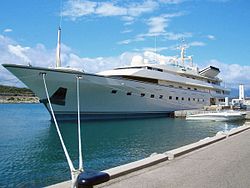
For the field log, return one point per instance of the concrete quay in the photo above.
(223, 164)
(219, 161)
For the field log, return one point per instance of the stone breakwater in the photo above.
(18, 99)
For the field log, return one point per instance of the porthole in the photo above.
(114, 91)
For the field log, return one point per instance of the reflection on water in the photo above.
(31, 154)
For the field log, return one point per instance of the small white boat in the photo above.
(218, 116)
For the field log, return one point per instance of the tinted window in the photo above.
(114, 91)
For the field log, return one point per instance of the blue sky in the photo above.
(99, 35)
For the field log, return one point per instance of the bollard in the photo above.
(89, 178)
(170, 156)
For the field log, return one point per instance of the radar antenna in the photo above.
(183, 48)
(183, 56)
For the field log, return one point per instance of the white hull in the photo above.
(97, 100)
(217, 116)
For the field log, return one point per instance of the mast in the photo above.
(58, 49)
(182, 55)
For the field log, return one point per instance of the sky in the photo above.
(101, 35)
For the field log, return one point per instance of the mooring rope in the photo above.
(74, 172)
(79, 123)
(72, 169)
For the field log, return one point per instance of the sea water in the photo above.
(31, 154)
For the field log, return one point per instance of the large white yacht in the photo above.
(150, 86)
(153, 85)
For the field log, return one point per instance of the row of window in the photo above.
(189, 88)
(142, 67)
(215, 83)
(195, 89)
(161, 82)
(208, 81)
(161, 97)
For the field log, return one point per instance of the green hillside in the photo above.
(10, 90)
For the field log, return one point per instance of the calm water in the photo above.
(31, 154)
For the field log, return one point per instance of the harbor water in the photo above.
(31, 154)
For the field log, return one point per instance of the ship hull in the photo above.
(104, 97)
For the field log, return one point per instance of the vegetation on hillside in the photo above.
(15, 91)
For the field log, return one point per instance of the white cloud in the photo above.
(150, 49)
(232, 74)
(175, 14)
(4, 41)
(157, 25)
(127, 31)
(19, 51)
(196, 43)
(93, 65)
(128, 19)
(177, 36)
(125, 41)
(136, 39)
(211, 37)
(171, 1)
(219, 1)
(166, 35)
(12, 52)
(136, 9)
(109, 9)
(7, 30)
(129, 13)
(6, 57)
(76, 9)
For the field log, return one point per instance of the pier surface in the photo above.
(223, 164)
(248, 115)
(220, 161)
